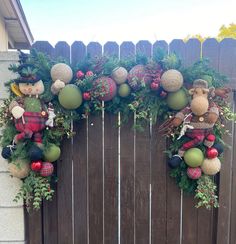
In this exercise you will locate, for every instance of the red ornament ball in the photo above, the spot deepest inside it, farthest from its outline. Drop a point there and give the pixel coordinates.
(104, 88)
(138, 77)
(194, 173)
(86, 96)
(47, 169)
(36, 165)
(211, 153)
(89, 73)
(211, 137)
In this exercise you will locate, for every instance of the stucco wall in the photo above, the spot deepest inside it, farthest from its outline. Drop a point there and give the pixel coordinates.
(3, 36)
(11, 214)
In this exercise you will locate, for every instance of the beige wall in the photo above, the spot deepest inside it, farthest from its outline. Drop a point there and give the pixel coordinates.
(11, 214)
(3, 36)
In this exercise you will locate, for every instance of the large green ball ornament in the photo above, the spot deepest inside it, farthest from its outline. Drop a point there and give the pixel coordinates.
(124, 90)
(70, 97)
(177, 100)
(194, 157)
(52, 153)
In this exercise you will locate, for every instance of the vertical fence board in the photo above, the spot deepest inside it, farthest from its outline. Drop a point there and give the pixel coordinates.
(111, 49)
(50, 223)
(35, 234)
(44, 47)
(111, 180)
(233, 193)
(127, 50)
(227, 59)
(78, 52)
(127, 183)
(80, 182)
(210, 50)
(178, 47)
(94, 49)
(95, 166)
(64, 171)
(160, 44)
(193, 51)
(62, 49)
(144, 48)
(142, 185)
(158, 180)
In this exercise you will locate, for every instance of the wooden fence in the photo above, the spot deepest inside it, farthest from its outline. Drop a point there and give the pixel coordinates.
(114, 185)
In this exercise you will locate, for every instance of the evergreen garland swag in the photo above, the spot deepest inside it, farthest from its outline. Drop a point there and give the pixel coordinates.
(48, 94)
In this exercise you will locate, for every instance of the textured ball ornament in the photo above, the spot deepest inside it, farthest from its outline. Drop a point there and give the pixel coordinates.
(172, 80)
(19, 169)
(35, 153)
(175, 161)
(194, 173)
(105, 88)
(138, 77)
(211, 166)
(124, 90)
(70, 97)
(177, 100)
(193, 157)
(61, 72)
(119, 75)
(219, 147)
(52, 153)
(47, 169)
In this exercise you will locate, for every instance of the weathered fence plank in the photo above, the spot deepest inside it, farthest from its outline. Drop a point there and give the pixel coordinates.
(127, 183)
(210, 50)
(158, 181)
(62, 49)
(78, 52)
(178, 47)
(127, 50)
(80, 174)
(227, 58)
(144, 48)
(94, 49)
(193, 51)
(160, 44)
(111, 49)
(65, 213)
(96, 187)
(111, 179)
(44, 47)
(142, 186)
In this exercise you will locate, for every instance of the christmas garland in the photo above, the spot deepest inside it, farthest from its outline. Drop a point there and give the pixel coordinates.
(47, 95)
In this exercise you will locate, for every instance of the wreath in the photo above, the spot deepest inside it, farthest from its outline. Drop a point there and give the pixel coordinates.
(48, 94)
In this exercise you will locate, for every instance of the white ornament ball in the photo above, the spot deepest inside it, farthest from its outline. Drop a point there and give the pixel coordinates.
(61, 72)
(119, 75)
(211, 166)
(19, 169)
(172, 80)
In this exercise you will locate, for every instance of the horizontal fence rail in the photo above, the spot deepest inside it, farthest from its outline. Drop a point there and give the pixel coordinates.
(114, 186)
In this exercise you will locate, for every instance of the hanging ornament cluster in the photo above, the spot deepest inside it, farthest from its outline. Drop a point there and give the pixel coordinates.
(47, 96)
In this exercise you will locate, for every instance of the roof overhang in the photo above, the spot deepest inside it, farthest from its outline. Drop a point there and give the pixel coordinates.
(19, 34)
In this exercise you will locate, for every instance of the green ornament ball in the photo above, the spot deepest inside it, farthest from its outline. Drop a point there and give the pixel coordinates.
(52, 153)
(124, 90)
(177, 100)
(194, 157)
(70, 97)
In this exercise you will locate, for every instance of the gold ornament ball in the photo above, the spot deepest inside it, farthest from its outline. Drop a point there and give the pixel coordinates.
(61, 72)
(19, 169)
(119, 75)
(211, 166)
(172, 80)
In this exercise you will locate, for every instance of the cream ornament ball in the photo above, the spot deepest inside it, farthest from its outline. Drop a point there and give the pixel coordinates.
(61, 72)
(211, 166)
(172, 80)
(119, 75)
(19, 169)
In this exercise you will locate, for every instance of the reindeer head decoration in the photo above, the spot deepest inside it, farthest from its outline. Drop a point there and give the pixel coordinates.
(200, 93)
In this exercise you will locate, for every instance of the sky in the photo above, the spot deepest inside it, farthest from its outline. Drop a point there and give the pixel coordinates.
(126, 20)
